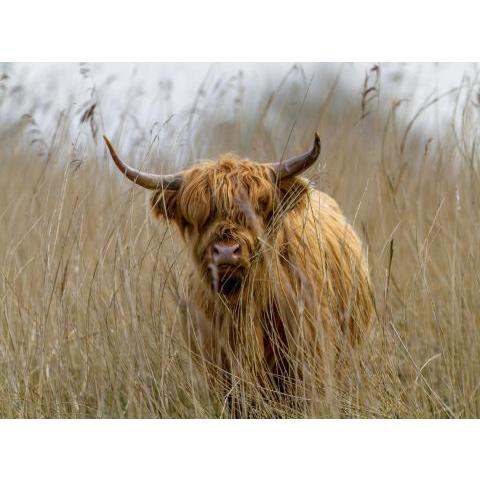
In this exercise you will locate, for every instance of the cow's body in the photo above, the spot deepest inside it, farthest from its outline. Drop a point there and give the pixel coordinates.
(279, 283)
(306, 294)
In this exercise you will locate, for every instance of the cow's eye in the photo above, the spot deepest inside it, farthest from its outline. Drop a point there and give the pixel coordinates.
(263, 206)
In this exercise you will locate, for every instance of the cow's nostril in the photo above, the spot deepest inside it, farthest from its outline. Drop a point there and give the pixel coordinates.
(224, 253)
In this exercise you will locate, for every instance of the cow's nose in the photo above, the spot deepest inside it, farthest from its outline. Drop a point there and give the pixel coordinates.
(226, 253)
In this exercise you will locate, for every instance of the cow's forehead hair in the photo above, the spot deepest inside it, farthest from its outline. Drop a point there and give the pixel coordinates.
(228, 167)
(226, 175)
(224, 188)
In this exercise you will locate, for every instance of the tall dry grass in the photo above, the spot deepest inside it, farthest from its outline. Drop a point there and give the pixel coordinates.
(91, 285)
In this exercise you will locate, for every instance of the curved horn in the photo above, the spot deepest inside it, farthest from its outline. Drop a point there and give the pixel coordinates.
(294, 166)
(146, 180)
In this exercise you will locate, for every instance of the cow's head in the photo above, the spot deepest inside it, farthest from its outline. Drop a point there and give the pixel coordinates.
(225, 208)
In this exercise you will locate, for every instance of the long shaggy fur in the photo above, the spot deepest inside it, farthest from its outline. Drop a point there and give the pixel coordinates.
(306, 295)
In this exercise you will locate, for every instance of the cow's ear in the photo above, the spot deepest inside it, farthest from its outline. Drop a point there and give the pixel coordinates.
(164, 203)
(292, 192)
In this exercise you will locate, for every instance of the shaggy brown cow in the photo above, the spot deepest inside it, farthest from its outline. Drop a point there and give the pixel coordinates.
(280, 281)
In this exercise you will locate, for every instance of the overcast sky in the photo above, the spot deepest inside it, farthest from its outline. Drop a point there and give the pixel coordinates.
(62, 83)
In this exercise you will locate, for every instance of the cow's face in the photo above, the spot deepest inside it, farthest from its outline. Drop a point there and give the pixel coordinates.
(225, 209)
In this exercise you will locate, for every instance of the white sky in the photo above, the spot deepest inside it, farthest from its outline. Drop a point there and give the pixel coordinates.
(61, 84)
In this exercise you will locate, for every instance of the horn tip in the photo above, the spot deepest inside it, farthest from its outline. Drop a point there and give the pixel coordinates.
(317, 143)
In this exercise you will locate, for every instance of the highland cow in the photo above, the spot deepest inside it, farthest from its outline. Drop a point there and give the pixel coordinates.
(279, 283)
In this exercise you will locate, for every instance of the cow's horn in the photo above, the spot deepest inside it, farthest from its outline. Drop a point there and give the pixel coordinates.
(294, 166)
(146, 180)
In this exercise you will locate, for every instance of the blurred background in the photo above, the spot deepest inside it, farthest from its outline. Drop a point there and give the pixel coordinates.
(39, 85)
(165, 106)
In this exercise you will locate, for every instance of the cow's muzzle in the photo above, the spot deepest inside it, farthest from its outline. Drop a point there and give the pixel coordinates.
(227, 267)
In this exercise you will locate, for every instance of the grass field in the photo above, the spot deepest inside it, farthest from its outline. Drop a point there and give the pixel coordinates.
(90, 282)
